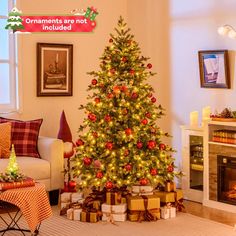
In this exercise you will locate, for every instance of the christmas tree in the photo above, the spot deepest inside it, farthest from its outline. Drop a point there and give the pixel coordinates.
(14, 21)
(12, 168)
(120, 142)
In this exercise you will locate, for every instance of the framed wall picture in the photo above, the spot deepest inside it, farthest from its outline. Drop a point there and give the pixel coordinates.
(54, 69)
(214, 69)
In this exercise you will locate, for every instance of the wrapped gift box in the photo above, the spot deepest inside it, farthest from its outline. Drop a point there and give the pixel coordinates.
(168, 212)
(136, 216)
(114, 217)
(170, 187)
(114, 212)
(139, 194)
(166, 197)
(136, 203)
(67, 198)
(113, 198)
(139, 189)
(89, 217)
(73, 213)
(121, 208)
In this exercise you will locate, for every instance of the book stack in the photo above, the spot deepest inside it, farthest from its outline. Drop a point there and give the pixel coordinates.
(224, 136)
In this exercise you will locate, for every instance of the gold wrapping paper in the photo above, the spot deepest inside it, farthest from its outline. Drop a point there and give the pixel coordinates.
(123, 200)
(88, 217)
(134, 215)
(113, 198)
(97, 204)
(170, 187)
(168, 196)
(136, 203)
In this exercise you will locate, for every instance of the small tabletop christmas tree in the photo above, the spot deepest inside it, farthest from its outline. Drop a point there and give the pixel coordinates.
(12, 172)
(14, 21)
(12, 168)
(122, 143)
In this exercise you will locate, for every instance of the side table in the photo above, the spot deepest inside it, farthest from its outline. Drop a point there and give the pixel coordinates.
(30, 202)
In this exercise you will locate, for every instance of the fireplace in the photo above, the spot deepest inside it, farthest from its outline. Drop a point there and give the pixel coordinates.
(226, 179)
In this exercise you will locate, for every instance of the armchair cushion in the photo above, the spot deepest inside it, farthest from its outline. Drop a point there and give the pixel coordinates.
(24, 135)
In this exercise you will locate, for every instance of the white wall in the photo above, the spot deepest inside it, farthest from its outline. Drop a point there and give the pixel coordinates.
(171, 33)
(193, 27)
(88, 47)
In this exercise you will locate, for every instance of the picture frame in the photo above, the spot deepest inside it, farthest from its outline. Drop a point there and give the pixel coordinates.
(54, 69)
(214, 69)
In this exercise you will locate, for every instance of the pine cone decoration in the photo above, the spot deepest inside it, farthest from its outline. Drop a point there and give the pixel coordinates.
(226, 113)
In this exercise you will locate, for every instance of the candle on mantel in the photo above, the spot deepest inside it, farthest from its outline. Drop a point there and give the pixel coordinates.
(206, 112)
(194, 118)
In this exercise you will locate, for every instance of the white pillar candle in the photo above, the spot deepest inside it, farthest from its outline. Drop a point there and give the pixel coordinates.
(206, 111)
(194, 118)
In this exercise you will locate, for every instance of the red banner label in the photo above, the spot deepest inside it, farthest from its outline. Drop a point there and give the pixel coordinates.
(73, 23)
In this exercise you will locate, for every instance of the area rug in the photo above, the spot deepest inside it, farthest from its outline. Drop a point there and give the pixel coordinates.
(183, 225)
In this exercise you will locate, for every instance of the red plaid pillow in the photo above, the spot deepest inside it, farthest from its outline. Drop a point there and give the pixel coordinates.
(24, 136)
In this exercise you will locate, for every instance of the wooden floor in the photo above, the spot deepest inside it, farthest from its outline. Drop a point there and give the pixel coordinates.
(198, 209)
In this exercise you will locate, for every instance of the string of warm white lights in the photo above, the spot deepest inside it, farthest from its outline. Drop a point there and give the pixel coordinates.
(227, 30)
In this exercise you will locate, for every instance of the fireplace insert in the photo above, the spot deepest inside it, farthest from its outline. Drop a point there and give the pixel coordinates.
(226, 179)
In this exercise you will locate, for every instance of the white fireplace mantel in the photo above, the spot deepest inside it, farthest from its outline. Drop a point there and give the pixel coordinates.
(208, 126)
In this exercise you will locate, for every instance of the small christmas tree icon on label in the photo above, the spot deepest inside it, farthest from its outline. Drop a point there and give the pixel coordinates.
(14, 21)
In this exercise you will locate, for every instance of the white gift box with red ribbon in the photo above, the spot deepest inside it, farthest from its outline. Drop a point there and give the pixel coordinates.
(112, 213)
(168, 212)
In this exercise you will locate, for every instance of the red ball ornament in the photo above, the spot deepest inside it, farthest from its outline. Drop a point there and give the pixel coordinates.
(126, 152)
(162, 146)
(139, 144)
(116, 89)
(143, 181)
(144, 121)
(95, 134)
(97, 100)
(107, 118)
(170, 168)
(132, 72)
(109, 185)
(149, 65)
(128, 131)
(110, 95)
(148, 115)
(128, 167)
(153, 99)
(97, 164)
(99, 175)
(110, 40)
(124, 59)
(123, 88)
(134, 95)
(151, 144)
(153, 171)
(109, 145)
(79, 142)
(72, 184)
(112, 71)
(125, 111)
(94, 82)
(87, 161)
(92, 117)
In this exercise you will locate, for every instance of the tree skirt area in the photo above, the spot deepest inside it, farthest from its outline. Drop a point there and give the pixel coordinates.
(183, 225)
